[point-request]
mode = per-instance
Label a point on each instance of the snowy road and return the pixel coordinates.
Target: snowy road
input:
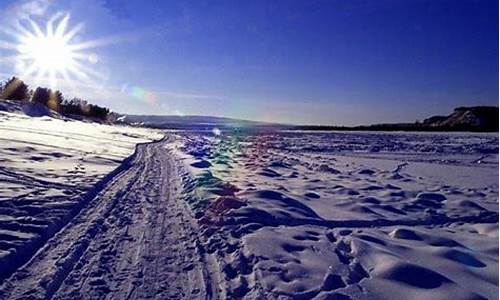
(134, 240)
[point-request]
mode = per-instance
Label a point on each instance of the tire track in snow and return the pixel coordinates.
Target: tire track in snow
(134, 240)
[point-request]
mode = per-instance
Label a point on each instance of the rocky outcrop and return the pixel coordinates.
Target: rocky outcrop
(477, 118)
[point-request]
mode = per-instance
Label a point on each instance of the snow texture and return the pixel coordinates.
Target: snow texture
(49, 169)
(92, 211)
(348, 215)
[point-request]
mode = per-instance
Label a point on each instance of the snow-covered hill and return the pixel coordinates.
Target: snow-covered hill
(190, 122)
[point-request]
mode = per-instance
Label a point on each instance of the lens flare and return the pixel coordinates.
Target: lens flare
(140, 93)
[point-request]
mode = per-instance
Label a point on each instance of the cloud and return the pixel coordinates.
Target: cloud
(25, 9)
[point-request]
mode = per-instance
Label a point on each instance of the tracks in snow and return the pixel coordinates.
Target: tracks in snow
(134, 240)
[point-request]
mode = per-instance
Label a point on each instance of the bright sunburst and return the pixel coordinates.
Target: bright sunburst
(49, 52)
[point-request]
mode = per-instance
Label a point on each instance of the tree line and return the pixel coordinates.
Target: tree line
(16, 89)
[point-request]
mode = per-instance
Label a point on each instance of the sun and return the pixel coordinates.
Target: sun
(49, 52)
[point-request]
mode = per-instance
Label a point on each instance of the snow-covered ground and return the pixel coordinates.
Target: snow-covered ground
(348, 215)
(49, 169)
(242, 214)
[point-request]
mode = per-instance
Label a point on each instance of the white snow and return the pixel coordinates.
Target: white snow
(348, 215)
(48, 168)
(244, 214)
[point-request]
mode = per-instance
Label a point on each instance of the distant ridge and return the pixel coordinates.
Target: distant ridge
(474, 118)
(189, 122)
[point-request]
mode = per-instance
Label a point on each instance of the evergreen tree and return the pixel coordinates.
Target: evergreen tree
(55, 100)
(41, 95)
(15, 89)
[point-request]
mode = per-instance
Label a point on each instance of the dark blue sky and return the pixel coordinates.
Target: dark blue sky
(321, 62)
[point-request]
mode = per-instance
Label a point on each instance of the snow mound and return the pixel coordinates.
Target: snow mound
(28, 108)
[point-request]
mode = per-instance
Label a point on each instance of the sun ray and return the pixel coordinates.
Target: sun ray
(93, 44)
(52, 79)
(30, 70)
(80, 56)
(18, 32)
(61, 27)
(72, 33)
(104, 41)
(39, 76)
(36, 29)
(10, 32)
(88, 70)
(7, 45)
(45, 52)
(67, 79)
(79, 73)
(22, 36)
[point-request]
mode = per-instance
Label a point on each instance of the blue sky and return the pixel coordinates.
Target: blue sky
(315, 62)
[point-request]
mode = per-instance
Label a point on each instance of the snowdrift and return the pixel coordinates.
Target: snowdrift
(347, 215)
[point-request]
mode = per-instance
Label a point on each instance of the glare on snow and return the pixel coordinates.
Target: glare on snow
(216, 131)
